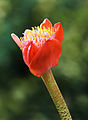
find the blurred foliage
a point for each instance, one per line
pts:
(24, 96)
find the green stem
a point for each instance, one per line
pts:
(56, 95)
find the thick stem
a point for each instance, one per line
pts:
(56, 95)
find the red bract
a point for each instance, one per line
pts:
(41, 47)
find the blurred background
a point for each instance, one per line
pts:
(24, 96)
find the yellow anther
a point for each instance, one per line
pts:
(44, 27)
(45, 30)
(32, 28)
(37, 27)
(55, 29)
(35, 31)
(28, 35)
(36, 43)
(25, 40)
(29, 31)
(48, 28)
(21, 38)
(51, 29)
(34, 37)
(40, 28)
(39, 31)
(24, 35)
(46, 38)
(30, 38)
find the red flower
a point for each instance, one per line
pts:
(41, 47)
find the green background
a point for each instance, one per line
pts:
(24, 96)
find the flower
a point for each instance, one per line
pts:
(41, 47)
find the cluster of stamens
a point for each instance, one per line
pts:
(38, 35)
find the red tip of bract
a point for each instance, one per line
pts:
(59, 32)
(46, 23)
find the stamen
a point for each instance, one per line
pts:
(32, 28)
(38, 35)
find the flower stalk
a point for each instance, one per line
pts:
(56, 95)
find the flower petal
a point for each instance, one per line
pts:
(59, 32)
(25, 51)
(32, 50)
(29, 52)
(46, 58)
(46, 23)
(16, 39)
